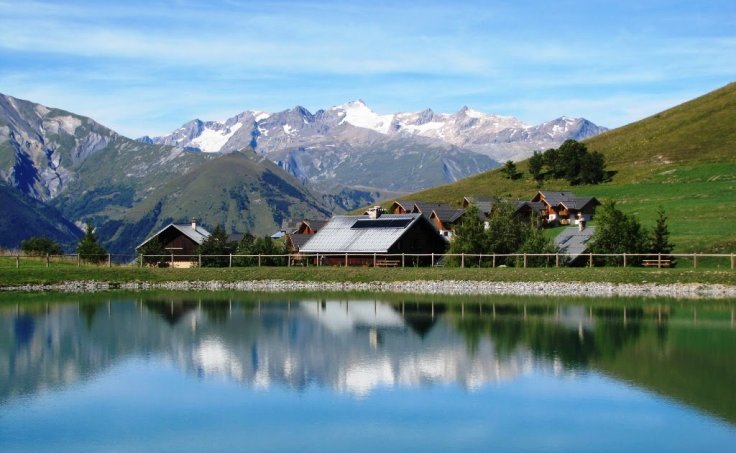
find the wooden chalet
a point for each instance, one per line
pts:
(445, 219)
(485, 205)
(402, 207)
(297, 236)
(180, 242)
(375, 239)
(565, 208)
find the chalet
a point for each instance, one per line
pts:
(565, 208)
(445, 219)
(180, 241)
(402, 207)
(573, 241)
(485, 205)
(299, 235)
(367, 240)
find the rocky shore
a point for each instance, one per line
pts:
(449, 287)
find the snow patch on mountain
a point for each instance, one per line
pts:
(212, 140)
(358, 114)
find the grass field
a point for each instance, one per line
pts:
(682, 159)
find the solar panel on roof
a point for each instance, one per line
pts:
(381, 223)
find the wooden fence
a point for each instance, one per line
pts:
(660, 261)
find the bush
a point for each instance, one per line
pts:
(40, 246)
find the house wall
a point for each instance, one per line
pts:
(177, 243)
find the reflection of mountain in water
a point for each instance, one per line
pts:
(356, 347)
(351, 347)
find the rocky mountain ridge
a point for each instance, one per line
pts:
(354, 123)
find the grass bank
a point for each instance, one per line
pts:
(42, 276)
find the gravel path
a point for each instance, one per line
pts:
(450, 287)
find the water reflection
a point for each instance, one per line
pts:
(358, 346)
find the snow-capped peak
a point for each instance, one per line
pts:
(358, 114)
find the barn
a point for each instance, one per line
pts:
(376, 239)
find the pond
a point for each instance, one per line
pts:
(221, 372)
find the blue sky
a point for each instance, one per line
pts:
(146, 67)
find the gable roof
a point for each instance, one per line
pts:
(298, 240)
(484, 204)
(198, 235)
(574, 242)
(447, 214)
(406, 204)
(361, 234)
(579, 203)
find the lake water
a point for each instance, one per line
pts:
(246, 372)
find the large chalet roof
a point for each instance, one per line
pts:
(197, 234)
(361, 234)
(573, 241)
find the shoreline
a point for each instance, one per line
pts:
(446, 287)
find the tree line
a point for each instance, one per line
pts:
(504, 231)
(571, 161)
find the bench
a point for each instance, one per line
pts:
(387, 263)
(657, 263)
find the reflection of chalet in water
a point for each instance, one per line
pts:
(180, 241)
(361, 237)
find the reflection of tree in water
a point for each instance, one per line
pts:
(419, 316)
(171, 311)
(546, 334)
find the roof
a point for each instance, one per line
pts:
(448, 215)
(406, 204)
(316, 225)
(298, 240)
(198, 235)
(574, 242)
(484, 204)
(579, 203)
(360, 234)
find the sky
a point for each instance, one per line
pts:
(146, 67)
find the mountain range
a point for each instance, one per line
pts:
(249, 173)
(346, 145)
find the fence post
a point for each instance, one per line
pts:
(659, 261)
(493, 264)
(624, 259)
(462, 260)
(374, 260)
(17, 262)
(78, 260)
(346, 260)
(695, 260)
(402, 259)
(259, 260)
(109, 260)
(733, 265)
(200, 260)
(525, 261)
(557, 260)
(432, 259)
(590, 256)
(47, 260)
(141, 258)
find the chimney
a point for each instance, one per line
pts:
(375, 212)
(194, 223)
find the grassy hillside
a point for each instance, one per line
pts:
(683, 159)
(240, 191)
